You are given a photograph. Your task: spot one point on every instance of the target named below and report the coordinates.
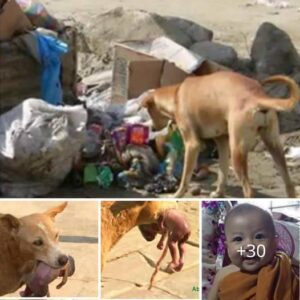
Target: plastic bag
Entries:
(50, 50)
(38, 144)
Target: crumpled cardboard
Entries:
(143, 65)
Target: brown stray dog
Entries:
(119, 217)
(30, 254)
(233, 110)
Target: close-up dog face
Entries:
(39, 235)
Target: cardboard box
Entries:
(12, 20)
(140, 66)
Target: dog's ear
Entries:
(52, 212)
(10, 222)
(148, 231)
(147, 101)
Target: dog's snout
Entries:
(62, 260)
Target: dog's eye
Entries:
(38, 242)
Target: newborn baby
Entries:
(172, 224)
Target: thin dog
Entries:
(233, 110)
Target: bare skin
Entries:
(174, 225)
(171, 225)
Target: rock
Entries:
(221, 54)
(196, 191)
(273, 52)
(289, 120)
(196, 32)
(243, 66)
(123, 25)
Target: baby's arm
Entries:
(160, 244)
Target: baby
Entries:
(257, 271)
(174, 227)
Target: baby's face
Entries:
(250, 229)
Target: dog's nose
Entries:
(62, 260)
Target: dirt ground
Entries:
(264, 177)
(234, 23)
(133, 253)
(78, 226)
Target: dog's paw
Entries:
(216, 194)
(179, 194)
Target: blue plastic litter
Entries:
(50, 51)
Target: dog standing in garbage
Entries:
(233, 110)
(30, 254)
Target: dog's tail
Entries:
(277, 103)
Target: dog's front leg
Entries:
(190, 157)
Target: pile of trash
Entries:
(39, 137)
(120, 149)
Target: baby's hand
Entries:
(160, 245)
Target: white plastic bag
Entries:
(38, 143)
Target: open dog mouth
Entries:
(37, 285)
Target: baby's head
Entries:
(250, 228)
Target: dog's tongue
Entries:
(44, 271)
(43, 275)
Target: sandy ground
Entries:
(131, 262)
(233, 23)
(78, 226)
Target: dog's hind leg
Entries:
(192, 147)
(271, 138)
(240, 166)
(223, 152)
(241, 139)
(242, 136)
